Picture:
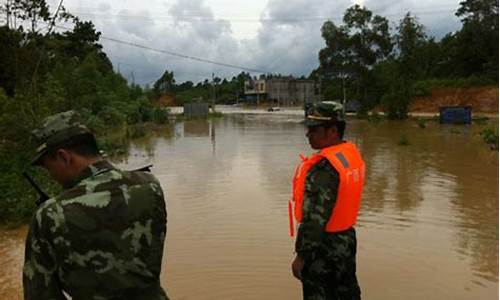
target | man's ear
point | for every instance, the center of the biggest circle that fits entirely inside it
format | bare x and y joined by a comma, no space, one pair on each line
65,156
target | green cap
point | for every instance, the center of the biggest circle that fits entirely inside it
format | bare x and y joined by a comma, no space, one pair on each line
323,113
55,130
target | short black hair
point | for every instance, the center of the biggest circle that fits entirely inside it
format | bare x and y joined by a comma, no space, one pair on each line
83,144
339,125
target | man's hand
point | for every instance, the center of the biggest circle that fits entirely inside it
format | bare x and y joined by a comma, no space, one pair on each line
297,266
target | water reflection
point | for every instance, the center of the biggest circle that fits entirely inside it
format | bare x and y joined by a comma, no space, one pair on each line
196,128
428,224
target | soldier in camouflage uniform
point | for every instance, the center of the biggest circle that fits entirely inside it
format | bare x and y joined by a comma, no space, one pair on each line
325,262
102,237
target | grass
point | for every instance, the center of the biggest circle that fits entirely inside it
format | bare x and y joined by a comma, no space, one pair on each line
421,122
490,135
403,140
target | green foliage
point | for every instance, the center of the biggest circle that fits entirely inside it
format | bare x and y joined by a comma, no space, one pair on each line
375,75
410,40
477,42
160,115
396,101
165,84
111,116
490,135
15,203
421,89
215,114
354,47
403,140
134,132
42,74
421,122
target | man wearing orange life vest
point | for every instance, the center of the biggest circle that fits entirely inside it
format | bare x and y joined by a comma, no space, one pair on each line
327,190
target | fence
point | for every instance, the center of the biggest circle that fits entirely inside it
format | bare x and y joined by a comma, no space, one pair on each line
196,110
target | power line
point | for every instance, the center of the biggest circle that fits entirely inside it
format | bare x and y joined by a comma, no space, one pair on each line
171,53
204,60
184,56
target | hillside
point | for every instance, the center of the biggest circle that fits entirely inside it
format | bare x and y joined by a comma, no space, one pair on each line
482,99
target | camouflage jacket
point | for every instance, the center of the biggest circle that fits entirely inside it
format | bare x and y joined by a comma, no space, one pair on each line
320,196
100,239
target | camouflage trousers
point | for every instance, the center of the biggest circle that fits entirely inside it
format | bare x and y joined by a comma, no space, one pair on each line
332,275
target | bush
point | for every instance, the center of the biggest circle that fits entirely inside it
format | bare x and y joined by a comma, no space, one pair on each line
111,116
403,140
95,124
395,106
421,122
160,115
490,135
421,89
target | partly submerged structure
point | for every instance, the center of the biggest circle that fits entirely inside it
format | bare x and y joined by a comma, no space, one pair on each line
283,91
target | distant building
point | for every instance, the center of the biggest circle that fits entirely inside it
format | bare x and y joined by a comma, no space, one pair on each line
282,91
255,90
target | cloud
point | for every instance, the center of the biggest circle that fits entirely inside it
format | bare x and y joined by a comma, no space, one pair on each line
290,43
287,40
438,19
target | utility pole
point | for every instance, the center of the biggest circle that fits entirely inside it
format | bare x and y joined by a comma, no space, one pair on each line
213,92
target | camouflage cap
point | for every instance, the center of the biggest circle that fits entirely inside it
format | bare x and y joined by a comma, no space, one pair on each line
55,130
324,112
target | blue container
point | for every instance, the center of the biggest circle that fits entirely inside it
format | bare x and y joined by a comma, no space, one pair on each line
455,115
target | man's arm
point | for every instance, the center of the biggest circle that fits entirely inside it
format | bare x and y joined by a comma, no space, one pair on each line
40,279
319,200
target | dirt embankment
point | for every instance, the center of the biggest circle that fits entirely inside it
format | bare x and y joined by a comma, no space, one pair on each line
165,101
481,99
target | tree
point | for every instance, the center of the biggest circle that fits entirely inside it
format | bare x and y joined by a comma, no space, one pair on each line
10,41
30,10
165,84
477,41
353,48
82,40
410,40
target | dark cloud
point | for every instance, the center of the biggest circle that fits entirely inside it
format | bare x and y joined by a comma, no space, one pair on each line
287,41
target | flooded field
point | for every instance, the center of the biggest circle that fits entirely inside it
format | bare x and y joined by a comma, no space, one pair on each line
428,226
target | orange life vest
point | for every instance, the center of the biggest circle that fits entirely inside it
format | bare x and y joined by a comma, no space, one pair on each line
345,158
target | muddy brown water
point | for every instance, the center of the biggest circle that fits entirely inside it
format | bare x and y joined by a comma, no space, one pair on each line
428,226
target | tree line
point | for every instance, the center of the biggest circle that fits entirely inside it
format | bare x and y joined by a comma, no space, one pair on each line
44,71
47,69
380,68
378,65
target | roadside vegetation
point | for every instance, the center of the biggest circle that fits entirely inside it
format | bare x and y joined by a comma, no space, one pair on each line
43,72
46,68
379,65
490,136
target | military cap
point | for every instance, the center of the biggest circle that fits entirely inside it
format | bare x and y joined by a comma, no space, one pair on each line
56,130
323,113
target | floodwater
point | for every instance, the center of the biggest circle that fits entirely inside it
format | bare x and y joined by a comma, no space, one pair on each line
428,226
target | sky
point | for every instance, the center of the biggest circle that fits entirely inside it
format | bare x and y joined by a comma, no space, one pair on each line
260,36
